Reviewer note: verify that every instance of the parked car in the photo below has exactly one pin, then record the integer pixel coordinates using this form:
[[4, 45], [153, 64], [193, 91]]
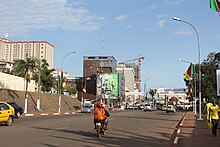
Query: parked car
[[87, 109], [18, 109], [6, 113], [170, 108]]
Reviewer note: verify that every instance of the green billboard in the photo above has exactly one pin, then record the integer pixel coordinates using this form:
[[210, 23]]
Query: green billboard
[[107, 87]]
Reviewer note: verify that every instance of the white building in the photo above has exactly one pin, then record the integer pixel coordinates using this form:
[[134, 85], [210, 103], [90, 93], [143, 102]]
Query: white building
[[11, 51], [171, 92]]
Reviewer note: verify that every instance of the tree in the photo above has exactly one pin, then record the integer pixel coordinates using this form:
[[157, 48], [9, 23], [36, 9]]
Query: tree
[[46, 80], [24, 68], [72, 91], [209, 84]]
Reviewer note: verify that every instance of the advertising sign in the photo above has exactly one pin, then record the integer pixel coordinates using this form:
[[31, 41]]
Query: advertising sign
[[218, 82], [107, 86]]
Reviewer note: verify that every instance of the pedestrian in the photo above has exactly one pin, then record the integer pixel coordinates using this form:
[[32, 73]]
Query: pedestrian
[[207, 113], [214, 109]]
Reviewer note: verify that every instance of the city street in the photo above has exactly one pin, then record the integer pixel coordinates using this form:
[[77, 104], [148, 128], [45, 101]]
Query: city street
[[126, 129]]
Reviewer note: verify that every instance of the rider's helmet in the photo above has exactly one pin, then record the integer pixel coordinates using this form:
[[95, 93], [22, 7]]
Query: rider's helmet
[[98, 104]]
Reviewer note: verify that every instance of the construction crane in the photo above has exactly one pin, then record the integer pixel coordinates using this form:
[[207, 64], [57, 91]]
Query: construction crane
[[137, 71]]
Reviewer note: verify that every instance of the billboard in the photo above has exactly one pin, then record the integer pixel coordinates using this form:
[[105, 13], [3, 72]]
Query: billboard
[[218, 82], [107, 86]]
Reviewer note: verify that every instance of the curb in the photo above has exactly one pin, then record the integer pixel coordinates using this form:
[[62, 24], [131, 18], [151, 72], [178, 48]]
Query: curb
[[177, 130], [47, 114]]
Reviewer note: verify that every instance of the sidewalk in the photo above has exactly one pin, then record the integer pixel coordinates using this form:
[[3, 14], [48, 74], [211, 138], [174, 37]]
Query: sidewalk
[[196, 133]]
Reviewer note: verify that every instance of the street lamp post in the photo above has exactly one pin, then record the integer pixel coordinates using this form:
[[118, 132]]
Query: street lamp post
[[194, 105], [200, 75], [60, 91], [145, 91]]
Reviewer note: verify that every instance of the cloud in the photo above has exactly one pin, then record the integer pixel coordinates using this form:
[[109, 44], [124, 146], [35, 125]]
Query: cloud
[[161, 23], [182, 31], [22, 16], [173, 2], [128, 26], [152, 7], [121, 17]]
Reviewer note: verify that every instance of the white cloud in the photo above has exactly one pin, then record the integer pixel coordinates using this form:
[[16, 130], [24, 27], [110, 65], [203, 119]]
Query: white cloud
[[21, 16], [174, 2], [121, 17], [161, 23], [182, 31], [151, 7], [128, 26]]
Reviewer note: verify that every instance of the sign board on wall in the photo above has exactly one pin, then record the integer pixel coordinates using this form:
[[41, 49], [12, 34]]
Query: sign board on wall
[[218, 82], [107, 86]]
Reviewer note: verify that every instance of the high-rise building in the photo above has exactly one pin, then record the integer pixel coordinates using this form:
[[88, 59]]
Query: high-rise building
[[11, 51]]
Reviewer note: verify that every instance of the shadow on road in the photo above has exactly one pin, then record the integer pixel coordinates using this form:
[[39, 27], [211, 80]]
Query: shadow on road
[[114, 138]]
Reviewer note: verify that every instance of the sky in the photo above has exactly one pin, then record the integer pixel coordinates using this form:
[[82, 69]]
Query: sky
[[124, 29]]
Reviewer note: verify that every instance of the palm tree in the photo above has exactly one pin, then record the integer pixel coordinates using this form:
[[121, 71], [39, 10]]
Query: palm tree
[[24, 68]]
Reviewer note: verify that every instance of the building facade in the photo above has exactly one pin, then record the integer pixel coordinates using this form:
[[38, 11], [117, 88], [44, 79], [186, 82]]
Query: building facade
[[93, 66], [11, 51]]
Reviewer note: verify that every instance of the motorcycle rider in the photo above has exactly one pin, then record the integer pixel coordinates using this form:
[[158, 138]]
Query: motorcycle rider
[[99, 113], [99, 116]]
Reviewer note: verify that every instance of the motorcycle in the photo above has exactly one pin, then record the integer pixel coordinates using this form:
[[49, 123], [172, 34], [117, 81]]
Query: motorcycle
[[101, 127]]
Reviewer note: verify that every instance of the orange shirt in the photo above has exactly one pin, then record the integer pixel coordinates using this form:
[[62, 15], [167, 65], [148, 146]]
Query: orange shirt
[[99, 113]]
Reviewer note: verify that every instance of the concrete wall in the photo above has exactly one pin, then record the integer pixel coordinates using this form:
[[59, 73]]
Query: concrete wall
[[49, 102], [8, 81]]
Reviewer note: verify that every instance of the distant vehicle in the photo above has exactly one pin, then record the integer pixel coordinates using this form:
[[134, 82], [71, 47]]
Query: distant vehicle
[[148, 107], [87, 109], [170, 108], [18, 109], [164, 108], [131, 107], [140, 107], [6, 113], [118, 108]]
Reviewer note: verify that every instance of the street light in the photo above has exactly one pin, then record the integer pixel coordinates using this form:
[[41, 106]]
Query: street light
[[145, 95], [194, 109], [200, 75], [60, 94]]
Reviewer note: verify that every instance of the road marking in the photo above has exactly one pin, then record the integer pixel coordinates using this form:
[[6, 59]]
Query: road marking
[[175, 141], [44, 114], [56, 114], [28, 114]]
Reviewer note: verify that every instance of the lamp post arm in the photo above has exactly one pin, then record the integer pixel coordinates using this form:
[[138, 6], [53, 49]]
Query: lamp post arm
[[65, 58], [197, 35]]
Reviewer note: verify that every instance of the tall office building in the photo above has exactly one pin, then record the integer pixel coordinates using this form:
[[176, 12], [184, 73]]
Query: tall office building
[[11, 51]]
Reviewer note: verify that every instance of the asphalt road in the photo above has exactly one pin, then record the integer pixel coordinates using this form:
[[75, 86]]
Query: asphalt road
[[126, 129]]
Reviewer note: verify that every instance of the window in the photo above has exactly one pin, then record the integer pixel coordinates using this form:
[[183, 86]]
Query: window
[[3, 107]]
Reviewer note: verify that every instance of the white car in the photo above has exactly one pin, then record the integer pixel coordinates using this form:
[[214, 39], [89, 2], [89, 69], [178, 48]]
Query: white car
[[148, 107], [170, 108]]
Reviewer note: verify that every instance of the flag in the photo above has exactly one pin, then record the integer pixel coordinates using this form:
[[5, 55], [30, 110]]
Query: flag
[[191, 88], [64, 83], [215, 5], [84, 89], [190, 71]]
